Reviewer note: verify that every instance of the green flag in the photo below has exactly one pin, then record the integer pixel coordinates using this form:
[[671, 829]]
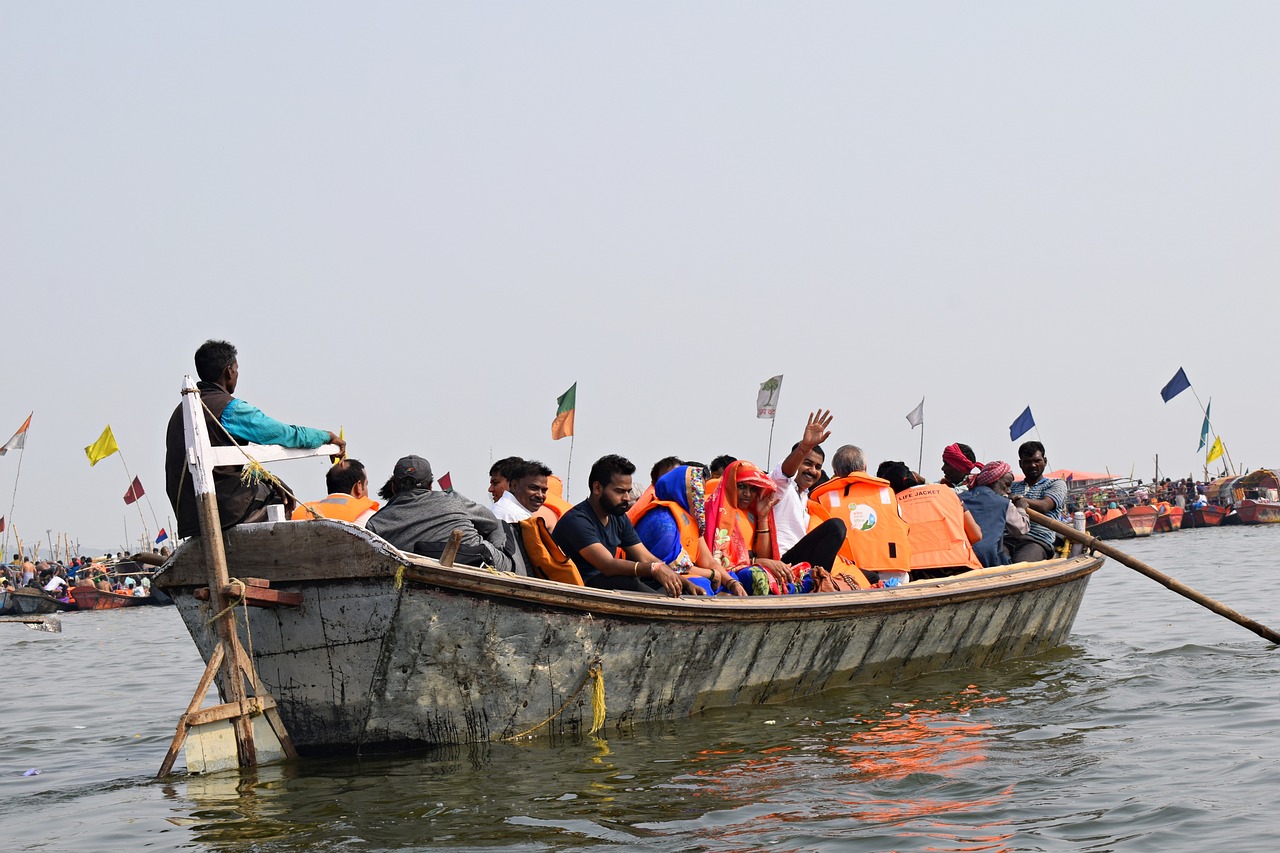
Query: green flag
[[1204, 427], [566, 403]]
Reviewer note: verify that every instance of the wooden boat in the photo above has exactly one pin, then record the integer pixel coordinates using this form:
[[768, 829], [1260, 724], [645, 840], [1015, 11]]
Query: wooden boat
[[1169, 521], [1204, 516], [387, 648], [29, 601], [1136, 521], [1258, 511], [90, 598], [6, 602]]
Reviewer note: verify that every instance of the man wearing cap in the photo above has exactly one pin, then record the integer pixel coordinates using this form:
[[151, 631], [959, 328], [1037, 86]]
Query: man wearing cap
[[420, 521]]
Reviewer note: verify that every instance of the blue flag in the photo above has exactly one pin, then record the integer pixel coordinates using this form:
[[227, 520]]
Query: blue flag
[[1019, 428], [1176, 386]]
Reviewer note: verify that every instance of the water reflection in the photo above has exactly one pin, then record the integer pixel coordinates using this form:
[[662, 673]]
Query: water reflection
[[731, 780]]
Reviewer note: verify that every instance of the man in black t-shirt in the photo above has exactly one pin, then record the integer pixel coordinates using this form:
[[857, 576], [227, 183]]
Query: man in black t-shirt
[[592, 532]]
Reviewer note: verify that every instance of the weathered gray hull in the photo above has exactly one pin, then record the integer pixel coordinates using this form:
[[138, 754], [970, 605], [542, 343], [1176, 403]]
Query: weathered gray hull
[[390, 648]]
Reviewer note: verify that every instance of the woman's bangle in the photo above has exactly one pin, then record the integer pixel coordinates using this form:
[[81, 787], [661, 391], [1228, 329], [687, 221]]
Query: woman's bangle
[[764, 530], [637, 568]]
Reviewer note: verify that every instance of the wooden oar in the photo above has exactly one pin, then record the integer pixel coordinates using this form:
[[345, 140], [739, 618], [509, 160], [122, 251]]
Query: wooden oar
[[1177, 586]]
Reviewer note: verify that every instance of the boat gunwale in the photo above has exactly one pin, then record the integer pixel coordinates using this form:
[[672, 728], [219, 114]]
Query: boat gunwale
[[519, 590]]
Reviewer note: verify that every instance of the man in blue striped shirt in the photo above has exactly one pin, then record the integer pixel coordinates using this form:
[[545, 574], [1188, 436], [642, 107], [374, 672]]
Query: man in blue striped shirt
[[1038, 493]]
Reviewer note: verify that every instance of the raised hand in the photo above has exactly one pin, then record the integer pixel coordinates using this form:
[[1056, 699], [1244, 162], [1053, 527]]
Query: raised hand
[[817, 429]]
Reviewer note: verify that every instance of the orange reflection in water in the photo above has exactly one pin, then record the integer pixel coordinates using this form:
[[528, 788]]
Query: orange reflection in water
[[850, 761]]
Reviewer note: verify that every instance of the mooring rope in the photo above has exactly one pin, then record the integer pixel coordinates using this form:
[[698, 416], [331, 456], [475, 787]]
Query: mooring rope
[[595, 674]]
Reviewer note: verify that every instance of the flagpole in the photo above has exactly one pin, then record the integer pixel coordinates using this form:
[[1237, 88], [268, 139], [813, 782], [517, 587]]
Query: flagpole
[[768, 464], [568, 471], [14, 501], [1231, 466], [141, 517], [920, 461]]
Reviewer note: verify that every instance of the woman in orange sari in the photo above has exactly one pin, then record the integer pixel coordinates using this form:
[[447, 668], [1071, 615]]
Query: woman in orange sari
[[740, 529]]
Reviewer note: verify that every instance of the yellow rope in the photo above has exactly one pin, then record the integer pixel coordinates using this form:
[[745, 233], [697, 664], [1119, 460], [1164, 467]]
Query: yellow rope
[[595, 672], [399, 576], [239, 600]]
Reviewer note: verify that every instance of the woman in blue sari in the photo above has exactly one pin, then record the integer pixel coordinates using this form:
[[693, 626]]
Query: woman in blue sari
[[672, 526]]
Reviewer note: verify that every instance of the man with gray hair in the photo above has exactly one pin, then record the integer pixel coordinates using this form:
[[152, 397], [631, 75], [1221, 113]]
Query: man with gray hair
[[848, 460]]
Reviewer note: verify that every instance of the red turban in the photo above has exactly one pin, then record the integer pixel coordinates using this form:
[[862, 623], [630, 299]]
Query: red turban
[[990, 473], [954, 457]]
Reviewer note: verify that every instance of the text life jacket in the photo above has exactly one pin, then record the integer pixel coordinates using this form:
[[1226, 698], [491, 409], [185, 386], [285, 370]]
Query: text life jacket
[[341, 507], [877, 536], [935, 522]]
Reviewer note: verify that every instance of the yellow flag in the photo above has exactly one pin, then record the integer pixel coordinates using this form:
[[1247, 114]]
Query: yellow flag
[[103, 447], [1215, 451]]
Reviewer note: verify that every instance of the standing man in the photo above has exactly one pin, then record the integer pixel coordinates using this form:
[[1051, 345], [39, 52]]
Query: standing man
[[591, 533], [794, 477], [238, 502], [348, 499], [1042, 495]]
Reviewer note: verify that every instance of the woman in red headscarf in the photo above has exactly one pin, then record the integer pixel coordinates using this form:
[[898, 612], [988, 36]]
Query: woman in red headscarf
[[740, 522]]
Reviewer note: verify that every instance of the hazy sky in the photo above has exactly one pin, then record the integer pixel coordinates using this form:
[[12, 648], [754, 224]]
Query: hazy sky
[[423, 222]]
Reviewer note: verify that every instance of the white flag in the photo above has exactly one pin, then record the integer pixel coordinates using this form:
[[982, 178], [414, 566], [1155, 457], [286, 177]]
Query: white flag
[[767, 399], [916, 416]]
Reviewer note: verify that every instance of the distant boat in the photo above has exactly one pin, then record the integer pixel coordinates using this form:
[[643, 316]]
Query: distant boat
[[1169, 520], [1136, 521], [92, 598], [30, 602], [1204, 516], [1254, 497]]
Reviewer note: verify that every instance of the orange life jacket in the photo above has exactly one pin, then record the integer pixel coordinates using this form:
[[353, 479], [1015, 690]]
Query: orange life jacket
[[641, 505], [685, 523], [935, 521], [546, 558], [877, 535], [555, 497], [1111, 513], [341, 507]]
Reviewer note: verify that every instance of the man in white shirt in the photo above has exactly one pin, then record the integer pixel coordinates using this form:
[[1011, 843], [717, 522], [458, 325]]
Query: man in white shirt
[[525, 494], [795, 476]]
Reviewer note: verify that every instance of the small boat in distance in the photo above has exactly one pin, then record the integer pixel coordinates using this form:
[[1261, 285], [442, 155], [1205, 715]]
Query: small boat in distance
[[92, 598], [32, 602], [1135, 521], [1204, 516], [1169, 520]]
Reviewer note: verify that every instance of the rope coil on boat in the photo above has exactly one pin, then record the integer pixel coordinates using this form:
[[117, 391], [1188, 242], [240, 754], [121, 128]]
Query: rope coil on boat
[[594, 674]]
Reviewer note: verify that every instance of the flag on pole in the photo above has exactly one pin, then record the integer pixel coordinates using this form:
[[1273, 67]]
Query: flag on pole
[[1215, 451], [916, 416], [767, 399], [1175, 386], [102, 448], [161, 536], [19, 439], [1204, 427], [566, 403], [135, 491], [1019, 427], [446, 482], [1, 524]]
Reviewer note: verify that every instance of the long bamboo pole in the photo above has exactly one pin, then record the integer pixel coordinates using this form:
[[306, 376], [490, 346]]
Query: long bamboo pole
[[1159, 577]]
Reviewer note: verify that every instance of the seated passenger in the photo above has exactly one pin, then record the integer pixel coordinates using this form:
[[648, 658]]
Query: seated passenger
[[876, 539], [740, 527], [989, 507], [499, 481], [348, 499], [940, 529], [1041, 494], [671, 526], [594, 531], [420, 521], [804, 536], [526, 494], [659, 468], [957, 465]]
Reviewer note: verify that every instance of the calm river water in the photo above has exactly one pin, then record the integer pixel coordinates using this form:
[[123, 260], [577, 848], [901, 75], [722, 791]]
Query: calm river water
[[1154, 729]]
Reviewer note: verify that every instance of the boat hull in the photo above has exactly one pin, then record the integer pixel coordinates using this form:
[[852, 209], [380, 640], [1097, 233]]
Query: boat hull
[[1138, 521], [1258, 511], [1204, 516], [30, 602], [88, 598], [1170, 521], [391, 649]]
